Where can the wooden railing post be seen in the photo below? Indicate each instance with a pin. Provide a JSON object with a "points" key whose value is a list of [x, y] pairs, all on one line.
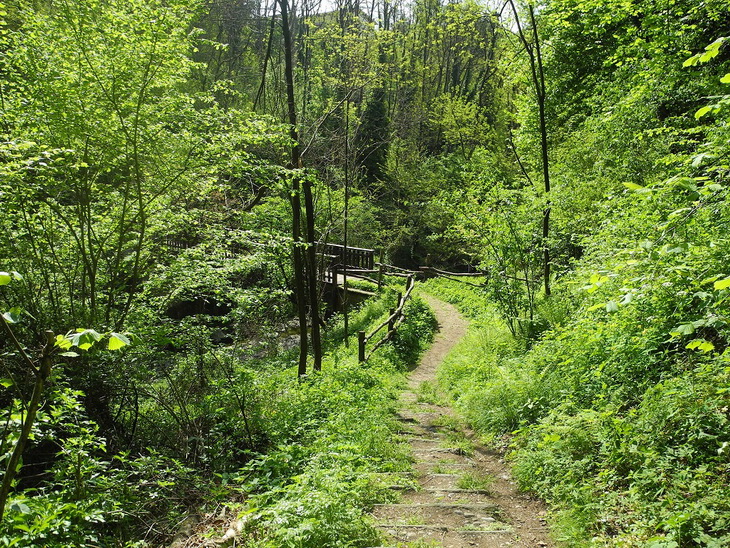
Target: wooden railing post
{"points": [[380, 275], [335, 289], [391, 321], [361, 346]]}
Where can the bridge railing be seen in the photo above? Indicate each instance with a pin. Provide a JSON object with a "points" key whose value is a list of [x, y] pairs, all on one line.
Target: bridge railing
{"points": [[355, 257]]}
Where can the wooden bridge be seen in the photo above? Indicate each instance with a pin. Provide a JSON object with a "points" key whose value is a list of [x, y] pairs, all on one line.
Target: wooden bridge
{"points": [[339, 258], [339, 262]]}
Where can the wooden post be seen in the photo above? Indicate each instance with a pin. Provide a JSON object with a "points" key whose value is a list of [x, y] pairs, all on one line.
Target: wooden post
{"points": [[361, 346], [400, 298], [335, 289], [391, 321], [380, 268]]}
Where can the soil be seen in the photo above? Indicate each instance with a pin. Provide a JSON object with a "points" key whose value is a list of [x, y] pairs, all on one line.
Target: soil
{"points": [[465, 495]]}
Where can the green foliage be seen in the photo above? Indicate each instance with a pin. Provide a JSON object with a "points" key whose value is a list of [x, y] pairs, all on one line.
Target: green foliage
{"points": [[125, 127], [619, 411], [332, 444], [311, 456]]}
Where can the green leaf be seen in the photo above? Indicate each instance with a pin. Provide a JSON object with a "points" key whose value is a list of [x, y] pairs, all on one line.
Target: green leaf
{"points": [[117, 341], [722, 284], [551, 438], [6, 383], [633, 186], [63, 342], [706, 346], [85, 338], [611, 306], [697, 162], [701, 112], [725, 79], [20, 507], [684, 329], [5, 278], [638, 188], [13, 315], [693, 344], [596, 307], [69, 354]]}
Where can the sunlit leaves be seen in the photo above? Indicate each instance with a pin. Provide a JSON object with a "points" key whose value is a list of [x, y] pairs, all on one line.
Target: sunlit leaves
{"points": [[711, 51], [13, 315], [700, 344], [7, 277], [722, 284], [85, 339], [703, 111], [117, 341], [595, 281]]}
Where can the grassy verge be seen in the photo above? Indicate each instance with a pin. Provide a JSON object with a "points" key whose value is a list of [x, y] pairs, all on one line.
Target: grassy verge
{"points": [[334, 453], [625, 435]]}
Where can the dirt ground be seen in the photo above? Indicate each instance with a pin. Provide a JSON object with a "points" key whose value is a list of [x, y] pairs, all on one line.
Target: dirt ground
{"points": [[465, 495]]}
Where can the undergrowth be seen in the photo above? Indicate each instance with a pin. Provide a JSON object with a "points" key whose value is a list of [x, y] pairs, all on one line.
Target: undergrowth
{"points": [[336, 439], [306, 459], [622, 430]]}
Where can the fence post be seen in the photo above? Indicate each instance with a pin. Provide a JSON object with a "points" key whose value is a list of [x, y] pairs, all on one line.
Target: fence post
{"points": [[400, 297], [380, 275], [391, 321], [361, 346], [335, 289]]}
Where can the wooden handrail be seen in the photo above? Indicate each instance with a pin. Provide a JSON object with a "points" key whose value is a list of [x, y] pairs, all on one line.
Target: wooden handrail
{"points": [[454, 274], [397, 268], [392, 322]]}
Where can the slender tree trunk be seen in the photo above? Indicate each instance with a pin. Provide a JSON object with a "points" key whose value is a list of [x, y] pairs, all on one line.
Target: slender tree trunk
{"points": [[41, 374], [540, 86], [260, 94], [312, 277], [345, 303], [296, 163], [538, 80]]}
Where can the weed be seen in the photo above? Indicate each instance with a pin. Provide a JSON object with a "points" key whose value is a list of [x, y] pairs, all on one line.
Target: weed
{"points": [[459, 443], [428, 392], [422, 543], [415, 518], [444, 469], [449, 422], [477, 481]]}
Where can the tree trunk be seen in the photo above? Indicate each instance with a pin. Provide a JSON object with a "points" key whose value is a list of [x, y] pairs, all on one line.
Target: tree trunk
{"points": [[538, 80], [296, 163]]}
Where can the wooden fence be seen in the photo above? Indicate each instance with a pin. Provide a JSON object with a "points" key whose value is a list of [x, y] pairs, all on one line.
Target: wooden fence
{"points": [[356, 257], [392, 323]]}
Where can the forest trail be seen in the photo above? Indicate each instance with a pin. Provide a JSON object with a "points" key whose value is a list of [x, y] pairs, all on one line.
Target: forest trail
{"points": [[465, 496]]}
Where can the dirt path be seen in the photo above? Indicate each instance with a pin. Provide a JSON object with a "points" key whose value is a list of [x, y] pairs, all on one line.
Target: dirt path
{"points": [[465, 496]]}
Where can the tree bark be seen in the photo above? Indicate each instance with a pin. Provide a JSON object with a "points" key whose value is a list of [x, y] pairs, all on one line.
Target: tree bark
{"points": [[296, 163]]}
